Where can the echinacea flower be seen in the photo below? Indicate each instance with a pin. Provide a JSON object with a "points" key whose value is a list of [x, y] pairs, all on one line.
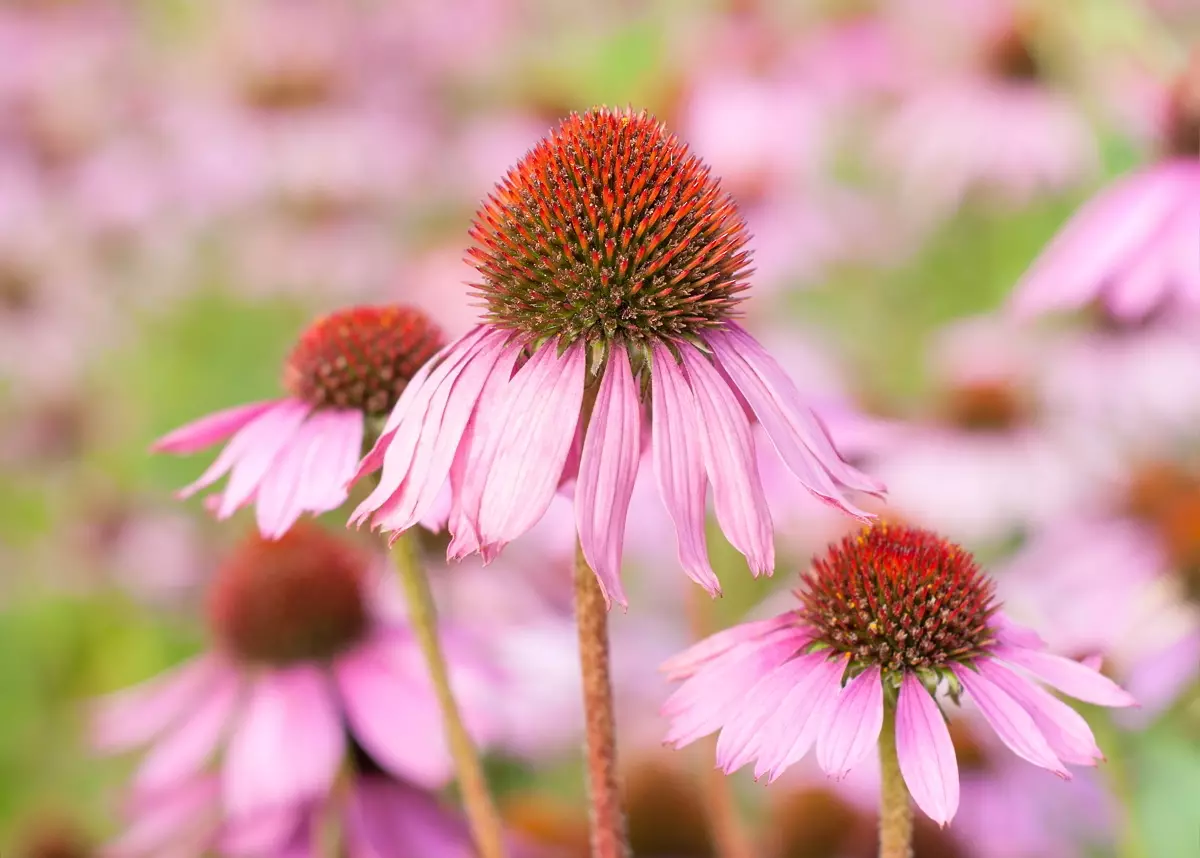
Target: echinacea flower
{"points": [[296, 455], [1132, 248], [889, 617], [305, 653], [611, 265]]}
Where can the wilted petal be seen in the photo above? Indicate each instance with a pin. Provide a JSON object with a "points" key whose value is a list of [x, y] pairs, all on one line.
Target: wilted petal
{"points": [[926, 752]]}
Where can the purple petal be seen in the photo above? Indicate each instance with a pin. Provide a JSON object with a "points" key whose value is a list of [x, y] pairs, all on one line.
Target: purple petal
{"points": [[1012, 723], [1158, 678], [387, 818], [1069, 736], [608, 468], [210, 429], [727, 448], [789, 734], [1069, 677], [393, 717], [925, 752], [134, 716], [738, 742], [288, 744], [854, 724], [678, 464], [686, 663], [541, 411]]}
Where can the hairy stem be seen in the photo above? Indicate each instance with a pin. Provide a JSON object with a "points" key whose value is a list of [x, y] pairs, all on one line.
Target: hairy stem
{"points": [[895, 807], [482, 816], [604, 794]]}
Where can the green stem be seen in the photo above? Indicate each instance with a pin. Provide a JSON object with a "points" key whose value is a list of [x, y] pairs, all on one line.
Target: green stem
{"points": [[895, 807], [604, 793], [482, 816]]}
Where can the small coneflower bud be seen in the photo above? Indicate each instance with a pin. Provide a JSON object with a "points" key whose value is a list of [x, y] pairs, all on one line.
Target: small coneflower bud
{"points": [[360, 358], [298, 454], [610, 230], [991, 405], [1182, 133], [297, 599], [900, 599]]}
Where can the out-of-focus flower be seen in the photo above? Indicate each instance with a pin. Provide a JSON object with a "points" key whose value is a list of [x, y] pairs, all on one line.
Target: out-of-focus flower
{"points": [[891, 612], [1133, 247], [611, 263], [305, 651], [999, 132], [52, 836], [998, 455], [296, 455], [1132, 556]]}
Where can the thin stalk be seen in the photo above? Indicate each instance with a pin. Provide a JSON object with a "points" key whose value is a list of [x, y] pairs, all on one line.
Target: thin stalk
{"points": [[895, 806], [482, 816], [604, 793]]}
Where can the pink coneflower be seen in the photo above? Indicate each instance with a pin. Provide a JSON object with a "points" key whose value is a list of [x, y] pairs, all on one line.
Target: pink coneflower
{"points": [[305, 653], [611, 266], [888, 618], [1133, 247], [295, 455]]}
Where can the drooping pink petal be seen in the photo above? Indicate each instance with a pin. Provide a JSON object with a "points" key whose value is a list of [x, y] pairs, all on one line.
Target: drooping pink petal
{"points": [[208, 430], [1069, 677], [264, 832], [288, 744], [925, 752], [1012, 723], [385, 710], [1014, 634], [686, 663], [541, 411], [853, 728], [157, 825], [183, 752], [738, 742], [803, 715], [679, 464], [1146, 278], [1068, 735], [134, 716], [387, 818], [449, 412], [608, 468], [1157, 678], [727, 448]]}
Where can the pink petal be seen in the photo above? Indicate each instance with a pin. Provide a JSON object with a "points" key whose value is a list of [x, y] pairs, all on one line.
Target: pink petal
{"points": [[289, 743], [208, 430], [1069, 736], [789, 734], [393, 717], [1012, 723], [694, 657], [160, 825], [738, 742], [264, 832], [925, 752], [853, 728], [541, 411], [1069, 677], [184, 752], [393, 819], [678, 464], [728, 451], [259, 431], [1158, 678], [134, 716], [608, 468]]}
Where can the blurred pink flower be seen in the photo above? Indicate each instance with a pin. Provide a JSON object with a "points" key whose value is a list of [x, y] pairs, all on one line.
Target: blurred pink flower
{"points": [[306, 653], [297, 455], [502, 433], [815, 678]]}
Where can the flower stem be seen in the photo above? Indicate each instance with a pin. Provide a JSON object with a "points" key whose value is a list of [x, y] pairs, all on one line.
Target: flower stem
{"points": [[895, 807], [482, 816], [604, 795]]}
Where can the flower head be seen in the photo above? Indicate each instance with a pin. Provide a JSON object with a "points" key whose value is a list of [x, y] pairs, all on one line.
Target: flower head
{"points": [[305, 655], [611, 264], [296, 455], [891, 616]]}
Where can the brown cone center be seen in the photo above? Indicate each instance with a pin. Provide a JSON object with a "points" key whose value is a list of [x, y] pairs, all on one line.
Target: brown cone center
{"points": [[985, 406]]}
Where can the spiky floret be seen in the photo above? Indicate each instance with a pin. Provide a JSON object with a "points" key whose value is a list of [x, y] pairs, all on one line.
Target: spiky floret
{"points": [[361, 357], [901, 598], [1183, 113], [299, 598], [609, 229]]}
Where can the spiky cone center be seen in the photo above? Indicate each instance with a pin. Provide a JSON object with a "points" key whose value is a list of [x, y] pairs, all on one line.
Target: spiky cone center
{"points": [[609, 230], [985, 405], [301, 598], [360, 358], [900, 598], [1182, 133]]}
